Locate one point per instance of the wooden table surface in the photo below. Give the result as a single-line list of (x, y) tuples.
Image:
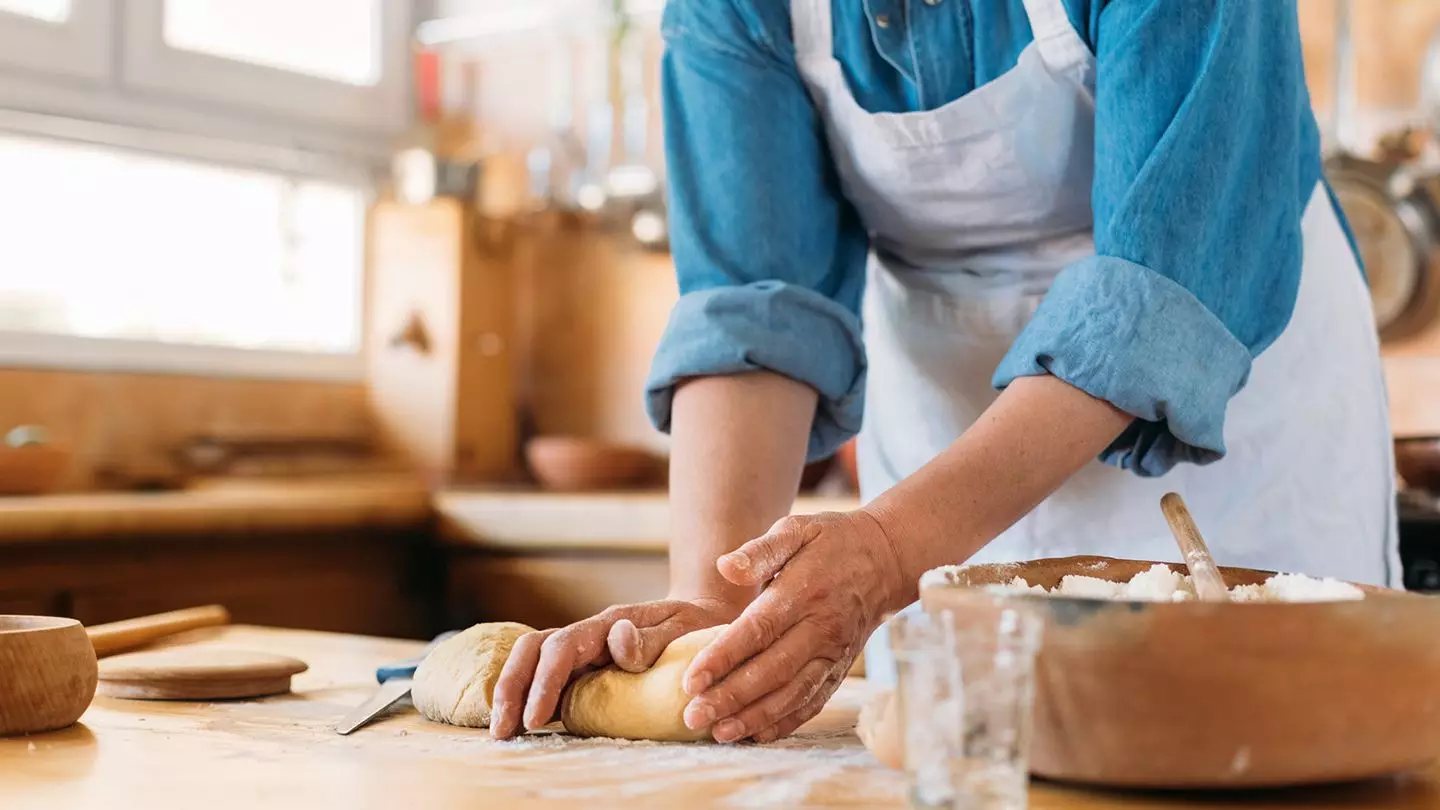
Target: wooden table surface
[(281, 753)]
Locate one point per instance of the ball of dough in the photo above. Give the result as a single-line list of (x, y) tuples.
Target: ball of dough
[(455, 683), (647, 705)]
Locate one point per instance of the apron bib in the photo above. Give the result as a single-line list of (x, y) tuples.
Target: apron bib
[(973, 209)]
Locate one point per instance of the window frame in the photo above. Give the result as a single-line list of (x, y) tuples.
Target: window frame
[(151, 65), (42, 350), (80, 47)]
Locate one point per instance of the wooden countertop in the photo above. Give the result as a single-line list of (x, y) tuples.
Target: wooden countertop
[(219, 507), (281, 753), (536, 521)]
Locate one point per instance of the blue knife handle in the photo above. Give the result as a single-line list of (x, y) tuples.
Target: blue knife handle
[(406, 668)]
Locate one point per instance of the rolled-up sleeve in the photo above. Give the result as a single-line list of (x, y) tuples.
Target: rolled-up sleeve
[(769, 257), (1206, 154)]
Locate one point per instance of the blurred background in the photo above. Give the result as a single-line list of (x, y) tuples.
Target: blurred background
[(338, 311)]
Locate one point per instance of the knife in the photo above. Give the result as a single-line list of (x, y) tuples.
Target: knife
[(395, 679)]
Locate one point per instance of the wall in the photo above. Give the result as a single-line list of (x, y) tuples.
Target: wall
[(129, 423)]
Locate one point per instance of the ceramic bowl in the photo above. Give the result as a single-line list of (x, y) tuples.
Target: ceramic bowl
[(47, 673), (576, 464), (1195, 695)]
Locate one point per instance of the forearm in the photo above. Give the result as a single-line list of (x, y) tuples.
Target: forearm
[(1036, 435), (737, 452)]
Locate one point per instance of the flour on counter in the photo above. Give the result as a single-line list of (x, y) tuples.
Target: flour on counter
[(1160, 584)]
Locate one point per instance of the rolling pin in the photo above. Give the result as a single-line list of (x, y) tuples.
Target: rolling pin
[(130, 633)]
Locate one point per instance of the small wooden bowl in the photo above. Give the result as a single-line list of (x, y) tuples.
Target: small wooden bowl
[(47, 673), (33, 469), (574, 464), (1204, 696)]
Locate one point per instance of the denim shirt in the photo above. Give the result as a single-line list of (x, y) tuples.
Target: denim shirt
[(1206, 155)]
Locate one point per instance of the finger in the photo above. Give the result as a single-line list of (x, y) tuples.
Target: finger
[(806, 713), (759, 560), (564, 653), (636, 649), (514, 682), (776, 706), (758, 627), (772, 669)]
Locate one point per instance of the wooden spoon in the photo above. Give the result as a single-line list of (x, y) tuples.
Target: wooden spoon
[(1209, 585)]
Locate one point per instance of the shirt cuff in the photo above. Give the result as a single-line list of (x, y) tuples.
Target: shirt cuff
[(1135, 338), (766, 326)]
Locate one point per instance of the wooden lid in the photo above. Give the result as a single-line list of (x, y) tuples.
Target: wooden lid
[(197, 673)]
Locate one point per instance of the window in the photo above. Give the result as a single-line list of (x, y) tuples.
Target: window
[(68, 38), (121, 245), (332, 62), (48, 10), (329, 39)]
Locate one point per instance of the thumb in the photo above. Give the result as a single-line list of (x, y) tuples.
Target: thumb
[(634, 649), (759, 560)]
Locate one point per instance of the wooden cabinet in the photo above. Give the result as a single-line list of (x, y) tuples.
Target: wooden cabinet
[(547, 590), (376, 582), (440, 338)]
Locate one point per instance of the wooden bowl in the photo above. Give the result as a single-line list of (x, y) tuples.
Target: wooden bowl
[(1418, 462), (33, 469), (1195, 695), (47, 673), (574, 464)]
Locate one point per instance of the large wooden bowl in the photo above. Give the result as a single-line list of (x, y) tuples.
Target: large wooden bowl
[(47, 673), (1194, 695)]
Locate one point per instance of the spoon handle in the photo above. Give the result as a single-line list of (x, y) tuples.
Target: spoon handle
[(1209, 585)]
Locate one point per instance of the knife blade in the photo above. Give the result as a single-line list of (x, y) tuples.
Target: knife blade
[(396, 679)]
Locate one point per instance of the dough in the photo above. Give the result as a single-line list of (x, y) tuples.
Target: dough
[(455, 683), (648, 705), (879, 729)]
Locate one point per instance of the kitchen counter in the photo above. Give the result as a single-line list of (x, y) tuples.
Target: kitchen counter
[(206, 509), (537, 521), (281, 753)]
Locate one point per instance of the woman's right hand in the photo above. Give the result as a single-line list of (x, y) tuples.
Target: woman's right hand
[(540, 665)]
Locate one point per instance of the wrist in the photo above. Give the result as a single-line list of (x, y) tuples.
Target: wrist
[(897, 585)]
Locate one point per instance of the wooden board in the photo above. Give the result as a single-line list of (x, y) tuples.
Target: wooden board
[(282, 752), (200, 672)]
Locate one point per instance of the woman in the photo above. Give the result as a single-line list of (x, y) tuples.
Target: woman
[(1099, 263)]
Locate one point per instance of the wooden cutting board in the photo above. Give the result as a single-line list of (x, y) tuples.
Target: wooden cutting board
[(197, 673)]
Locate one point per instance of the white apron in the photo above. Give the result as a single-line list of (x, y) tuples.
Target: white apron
[(973, 209)]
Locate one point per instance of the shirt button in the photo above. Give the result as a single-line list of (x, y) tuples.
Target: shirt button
[(882, 20)]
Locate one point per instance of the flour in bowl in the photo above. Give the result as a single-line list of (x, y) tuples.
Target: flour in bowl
[(1160, 584)]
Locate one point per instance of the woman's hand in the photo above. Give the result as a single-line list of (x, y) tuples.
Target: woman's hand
[(831, 578), (631, 636)]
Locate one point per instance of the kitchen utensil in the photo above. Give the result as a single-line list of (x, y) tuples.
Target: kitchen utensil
[(197, 673), (575, 464), (32, 469), (965, 698), (115, 637), (396, 680), (1202, 695), (47, 673), (1394, 213), (1208, 584)]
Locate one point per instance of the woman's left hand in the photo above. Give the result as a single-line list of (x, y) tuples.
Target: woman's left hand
[(830, 580)]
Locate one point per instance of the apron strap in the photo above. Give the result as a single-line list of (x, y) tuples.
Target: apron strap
[(810, 22), (1057, 40)]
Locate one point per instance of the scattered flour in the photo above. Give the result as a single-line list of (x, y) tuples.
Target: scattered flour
[(1160, 584)]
